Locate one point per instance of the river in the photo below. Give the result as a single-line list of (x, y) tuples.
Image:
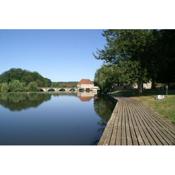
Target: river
[(53, 119)]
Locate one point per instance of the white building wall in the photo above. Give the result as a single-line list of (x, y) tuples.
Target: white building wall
[(145, 85), (84, 86)]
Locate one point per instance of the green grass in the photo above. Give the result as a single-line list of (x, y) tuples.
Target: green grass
[(165, 107), (134, 92)]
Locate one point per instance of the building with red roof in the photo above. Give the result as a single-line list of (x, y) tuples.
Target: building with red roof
[(87, 84)]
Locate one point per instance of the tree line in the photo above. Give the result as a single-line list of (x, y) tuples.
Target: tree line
[(136, 56), (19, 80), (70, 84)]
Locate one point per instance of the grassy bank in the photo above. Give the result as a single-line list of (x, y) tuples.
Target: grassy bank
[(165, 107)]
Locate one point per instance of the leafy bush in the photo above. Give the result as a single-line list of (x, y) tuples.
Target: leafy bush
[(4, 87)]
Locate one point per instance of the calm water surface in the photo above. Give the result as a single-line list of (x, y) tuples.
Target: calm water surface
[(50, 119)]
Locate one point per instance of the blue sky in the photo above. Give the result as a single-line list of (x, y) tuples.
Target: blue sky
[(61, 55)]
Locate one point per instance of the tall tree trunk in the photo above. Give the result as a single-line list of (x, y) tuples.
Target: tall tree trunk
[(140, 87), (153, 86)]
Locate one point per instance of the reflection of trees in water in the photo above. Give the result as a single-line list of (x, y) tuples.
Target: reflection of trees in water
[(63, 94), (104, 106), (20, 101)]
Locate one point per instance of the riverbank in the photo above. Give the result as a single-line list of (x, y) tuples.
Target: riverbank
[(164, 107)]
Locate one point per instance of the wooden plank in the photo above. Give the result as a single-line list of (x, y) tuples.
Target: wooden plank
[(148, 132), (163, 123), (128, 128), (123, 135), (158, 129), (141, 136), (147, 125), (132, 129), (119, 129), (132, 123), (106, 136), (109, 131), (138, 129), (117, 113), (161, 132), (167, 127)]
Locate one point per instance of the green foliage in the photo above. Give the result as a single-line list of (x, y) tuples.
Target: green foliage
[(127, 49), (165, 60), (125, 44), (4, 88), (32, 87), (25, 77), (131, 72), (16, 86), (140, 55), (104, 77), (124, 73), (18, 80), (70, 84)]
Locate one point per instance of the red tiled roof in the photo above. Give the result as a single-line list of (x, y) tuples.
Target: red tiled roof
[(85, 81)]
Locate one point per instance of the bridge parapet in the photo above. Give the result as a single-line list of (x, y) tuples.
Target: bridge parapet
[(52, 89)]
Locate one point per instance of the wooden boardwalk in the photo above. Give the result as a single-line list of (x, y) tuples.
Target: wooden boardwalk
[(132, 123)]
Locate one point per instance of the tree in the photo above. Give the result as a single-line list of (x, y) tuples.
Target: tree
[(24, 76), (4, 88), (126, 72), (166, 54), (16, 86), (106, 76), (128, 45), (131, 72), (32, 86), (70, 84)]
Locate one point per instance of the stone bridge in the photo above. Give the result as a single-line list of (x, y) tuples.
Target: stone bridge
[(53, 89)]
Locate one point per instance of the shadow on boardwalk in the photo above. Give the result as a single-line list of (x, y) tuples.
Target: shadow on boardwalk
[(132, 123)]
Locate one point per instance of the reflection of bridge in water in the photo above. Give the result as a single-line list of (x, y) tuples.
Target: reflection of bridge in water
[(86, 96)]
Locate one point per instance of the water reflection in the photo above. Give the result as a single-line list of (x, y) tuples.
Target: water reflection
[(20, 101), (86, 96), (65, 119), (104, 106)]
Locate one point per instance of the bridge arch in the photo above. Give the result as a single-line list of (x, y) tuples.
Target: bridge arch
[(72, 90), (41, 90), (51, 90), (81, 89), (62, 90), (88, 90)]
